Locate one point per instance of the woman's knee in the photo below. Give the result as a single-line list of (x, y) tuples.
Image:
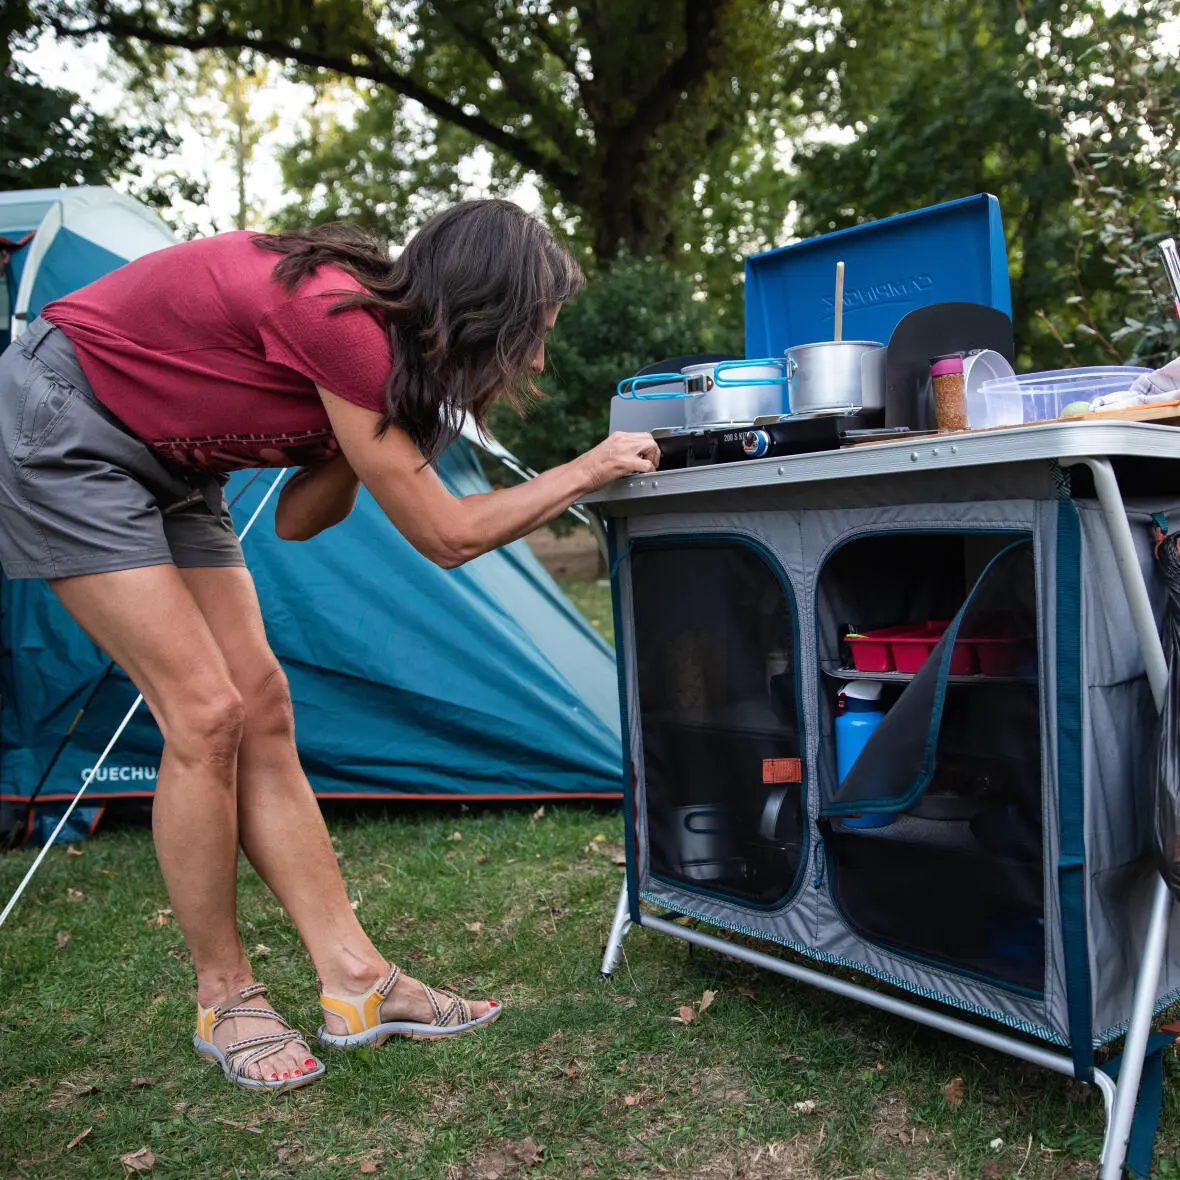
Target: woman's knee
[(208, 727), (268, 709)]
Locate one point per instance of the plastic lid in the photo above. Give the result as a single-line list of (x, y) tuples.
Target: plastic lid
[(1081, 383), (946, 364), (862, 690)]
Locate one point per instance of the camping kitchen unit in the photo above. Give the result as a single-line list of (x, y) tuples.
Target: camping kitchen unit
[(889, 695)]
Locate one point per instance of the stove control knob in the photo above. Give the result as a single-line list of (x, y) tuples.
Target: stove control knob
[(755, 443)]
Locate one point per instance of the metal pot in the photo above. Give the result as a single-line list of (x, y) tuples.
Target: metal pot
[(717, 394), (826, 376), (734, 391)]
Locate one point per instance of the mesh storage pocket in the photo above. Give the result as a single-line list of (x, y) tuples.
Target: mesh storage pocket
[(722, 759), (952, 873)]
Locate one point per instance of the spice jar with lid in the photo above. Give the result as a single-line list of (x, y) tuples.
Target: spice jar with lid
[(950, 402)]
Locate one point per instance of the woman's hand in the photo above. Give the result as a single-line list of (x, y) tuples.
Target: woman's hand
[(314, 499), (620, 454), (1163, 381)]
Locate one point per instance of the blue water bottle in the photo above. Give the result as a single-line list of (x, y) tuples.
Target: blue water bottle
[(858, 713)]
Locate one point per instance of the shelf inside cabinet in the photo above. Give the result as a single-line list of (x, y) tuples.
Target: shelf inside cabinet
[(906, 677)]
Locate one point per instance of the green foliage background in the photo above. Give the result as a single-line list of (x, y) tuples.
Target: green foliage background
[(668, 142)]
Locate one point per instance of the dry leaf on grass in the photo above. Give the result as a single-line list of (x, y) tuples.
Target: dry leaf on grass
[(142, 1160), (455, 836), (807, 1106), (78, 1138), (75, 895), (72, 851), (368, 1168), (67, 1093), (290, 1151), (955, 1091), (625, 1001), (538, 814), (631, 1100), (160, 918), (687, 1013), (108, 872), (503, 1158), (748, 992), (63, 936), (474, 927), (260, 950), (139, 1083)]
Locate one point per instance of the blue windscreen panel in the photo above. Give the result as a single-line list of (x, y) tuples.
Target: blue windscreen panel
[(943, 254)]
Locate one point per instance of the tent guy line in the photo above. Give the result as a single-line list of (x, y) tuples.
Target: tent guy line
[(278, 479)]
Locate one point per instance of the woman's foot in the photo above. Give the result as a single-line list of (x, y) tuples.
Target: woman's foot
[(261, 1048), (399, 1005)]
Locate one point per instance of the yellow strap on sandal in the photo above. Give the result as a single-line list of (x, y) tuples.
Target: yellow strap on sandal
[(363, 1010)]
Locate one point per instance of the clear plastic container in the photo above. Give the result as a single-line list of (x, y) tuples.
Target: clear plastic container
[(1039, 397)]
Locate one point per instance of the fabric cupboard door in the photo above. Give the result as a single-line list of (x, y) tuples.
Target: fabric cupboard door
[(951, 870), (716, 660)]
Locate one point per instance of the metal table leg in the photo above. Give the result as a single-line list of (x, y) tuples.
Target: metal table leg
[(618, 931), (1121, 1111)]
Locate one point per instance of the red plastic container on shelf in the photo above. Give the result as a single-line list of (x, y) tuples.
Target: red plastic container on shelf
[(913, 646), (871, 651), (905, 648), (1003, 655)]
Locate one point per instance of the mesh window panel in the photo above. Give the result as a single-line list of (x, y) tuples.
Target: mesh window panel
[(953, 874), (715, 644)]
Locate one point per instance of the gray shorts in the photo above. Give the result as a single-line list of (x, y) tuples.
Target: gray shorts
[(81, 494)]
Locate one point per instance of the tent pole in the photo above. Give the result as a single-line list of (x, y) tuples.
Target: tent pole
[(1118, 1129), (115, 736)]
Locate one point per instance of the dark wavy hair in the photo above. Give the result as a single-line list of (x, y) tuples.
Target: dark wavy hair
[(463, 305)]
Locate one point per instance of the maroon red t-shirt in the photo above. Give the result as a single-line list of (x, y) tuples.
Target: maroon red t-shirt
[(214, 364)]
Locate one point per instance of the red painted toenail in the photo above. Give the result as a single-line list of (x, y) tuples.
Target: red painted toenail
[(286, 1074), (299, 1073), (274, 1077), (493, 1003), (310, 1063)]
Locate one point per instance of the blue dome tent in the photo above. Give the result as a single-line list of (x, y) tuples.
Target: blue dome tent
[(55, 240), (409, 681)]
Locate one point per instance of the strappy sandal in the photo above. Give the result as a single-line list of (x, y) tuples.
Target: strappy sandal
[(238, 1056), (361, 1013)]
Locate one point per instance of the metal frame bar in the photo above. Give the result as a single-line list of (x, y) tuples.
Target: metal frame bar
[(1121, 1107), (1070, 445)]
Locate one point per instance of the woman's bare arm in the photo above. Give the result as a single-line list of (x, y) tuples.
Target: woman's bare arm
[(450, 530), (315, 498)]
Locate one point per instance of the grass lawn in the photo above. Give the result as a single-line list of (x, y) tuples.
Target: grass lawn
[(580, 1077), (593, 600)]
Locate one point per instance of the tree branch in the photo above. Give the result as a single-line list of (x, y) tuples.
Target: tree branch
[(518, 86), (700, 23), (369, 66)]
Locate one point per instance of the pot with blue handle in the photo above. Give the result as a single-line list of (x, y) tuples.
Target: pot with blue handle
[(717, 394)]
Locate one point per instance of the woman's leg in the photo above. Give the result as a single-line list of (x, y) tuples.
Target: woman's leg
[(147, 621), (279, 820)]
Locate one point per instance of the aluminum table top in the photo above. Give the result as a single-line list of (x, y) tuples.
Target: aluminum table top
[(1017, 444)]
